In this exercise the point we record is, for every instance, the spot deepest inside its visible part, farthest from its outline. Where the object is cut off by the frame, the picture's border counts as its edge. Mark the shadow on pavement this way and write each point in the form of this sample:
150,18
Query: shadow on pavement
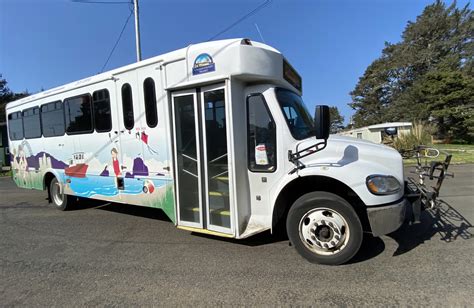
259,239
443,220
134,210
371,247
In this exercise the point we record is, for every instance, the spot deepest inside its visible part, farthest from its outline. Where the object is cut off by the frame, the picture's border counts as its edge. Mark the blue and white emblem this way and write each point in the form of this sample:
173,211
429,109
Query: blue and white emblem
203,64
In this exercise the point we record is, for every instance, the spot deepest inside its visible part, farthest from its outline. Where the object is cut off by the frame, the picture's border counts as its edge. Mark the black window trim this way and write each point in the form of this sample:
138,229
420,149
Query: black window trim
146,105
93,112
92,116
63,113
283,111
247,133
23,122
133,111
22,128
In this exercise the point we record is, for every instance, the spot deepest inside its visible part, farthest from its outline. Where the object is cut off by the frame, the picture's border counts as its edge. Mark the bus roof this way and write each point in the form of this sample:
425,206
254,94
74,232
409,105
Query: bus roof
229,66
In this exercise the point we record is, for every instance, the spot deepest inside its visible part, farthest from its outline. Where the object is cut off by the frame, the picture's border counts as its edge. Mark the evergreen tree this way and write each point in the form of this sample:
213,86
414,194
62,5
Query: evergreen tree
438,47
6,95
337,120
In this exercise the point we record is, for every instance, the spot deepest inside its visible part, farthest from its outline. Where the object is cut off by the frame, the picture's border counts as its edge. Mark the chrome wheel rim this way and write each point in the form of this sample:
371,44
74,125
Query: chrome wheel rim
324,231
56,194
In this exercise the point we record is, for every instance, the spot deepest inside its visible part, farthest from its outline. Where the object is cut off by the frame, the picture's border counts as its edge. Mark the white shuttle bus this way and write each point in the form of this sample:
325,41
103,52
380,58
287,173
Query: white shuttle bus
217,136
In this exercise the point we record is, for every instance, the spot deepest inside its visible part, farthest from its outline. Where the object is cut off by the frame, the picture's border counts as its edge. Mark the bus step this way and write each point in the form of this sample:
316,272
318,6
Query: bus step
220,217
218,194
220,212
198,230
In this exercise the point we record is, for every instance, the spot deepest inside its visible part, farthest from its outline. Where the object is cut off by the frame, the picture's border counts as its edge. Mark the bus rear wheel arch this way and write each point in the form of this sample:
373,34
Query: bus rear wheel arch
56,195
324,228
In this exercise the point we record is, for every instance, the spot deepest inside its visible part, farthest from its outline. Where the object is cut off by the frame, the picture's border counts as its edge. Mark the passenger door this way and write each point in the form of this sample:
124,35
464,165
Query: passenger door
201,153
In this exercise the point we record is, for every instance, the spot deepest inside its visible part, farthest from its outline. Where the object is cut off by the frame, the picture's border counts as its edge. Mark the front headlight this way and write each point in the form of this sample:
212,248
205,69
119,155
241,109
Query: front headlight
382,184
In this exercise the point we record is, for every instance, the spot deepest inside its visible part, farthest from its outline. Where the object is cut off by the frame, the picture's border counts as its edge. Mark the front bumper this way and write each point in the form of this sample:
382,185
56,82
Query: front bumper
388,218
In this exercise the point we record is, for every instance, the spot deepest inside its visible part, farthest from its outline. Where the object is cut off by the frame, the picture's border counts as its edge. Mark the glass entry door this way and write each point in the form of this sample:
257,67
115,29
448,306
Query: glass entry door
187,158
201,156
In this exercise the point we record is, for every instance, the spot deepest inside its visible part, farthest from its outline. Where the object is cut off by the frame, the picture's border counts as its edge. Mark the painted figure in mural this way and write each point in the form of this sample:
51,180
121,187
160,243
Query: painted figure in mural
22,164
115,162
13,160
14,164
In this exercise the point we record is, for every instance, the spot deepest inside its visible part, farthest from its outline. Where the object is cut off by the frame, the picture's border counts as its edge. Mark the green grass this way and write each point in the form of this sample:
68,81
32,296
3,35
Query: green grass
462,153
6,173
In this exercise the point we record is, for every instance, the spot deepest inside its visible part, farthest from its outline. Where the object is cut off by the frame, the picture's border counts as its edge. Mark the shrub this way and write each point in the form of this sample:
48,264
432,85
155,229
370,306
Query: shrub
419,135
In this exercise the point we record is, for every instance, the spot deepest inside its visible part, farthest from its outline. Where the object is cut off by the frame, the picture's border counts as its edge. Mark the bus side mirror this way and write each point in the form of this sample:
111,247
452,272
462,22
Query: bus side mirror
322,122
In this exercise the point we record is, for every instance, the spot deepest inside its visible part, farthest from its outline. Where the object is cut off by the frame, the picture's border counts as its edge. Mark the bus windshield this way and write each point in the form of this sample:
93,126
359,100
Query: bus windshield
297,116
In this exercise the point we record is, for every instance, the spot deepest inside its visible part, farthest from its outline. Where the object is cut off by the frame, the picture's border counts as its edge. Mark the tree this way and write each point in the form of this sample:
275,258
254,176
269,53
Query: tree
337,120
449,100
439,43
6,95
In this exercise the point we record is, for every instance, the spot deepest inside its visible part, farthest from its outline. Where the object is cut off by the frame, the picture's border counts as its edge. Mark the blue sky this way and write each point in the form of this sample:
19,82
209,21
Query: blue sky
46,43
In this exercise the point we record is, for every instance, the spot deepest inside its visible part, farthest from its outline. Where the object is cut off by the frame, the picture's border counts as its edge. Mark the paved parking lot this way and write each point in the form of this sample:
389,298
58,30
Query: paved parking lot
125,255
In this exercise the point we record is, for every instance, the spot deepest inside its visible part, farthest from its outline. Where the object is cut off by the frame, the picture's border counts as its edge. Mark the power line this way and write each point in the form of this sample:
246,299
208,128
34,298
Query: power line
118,40
132,10
259,33
252,12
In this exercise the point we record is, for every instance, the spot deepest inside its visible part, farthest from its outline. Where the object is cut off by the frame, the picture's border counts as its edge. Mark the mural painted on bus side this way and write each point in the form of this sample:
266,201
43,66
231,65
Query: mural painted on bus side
146,175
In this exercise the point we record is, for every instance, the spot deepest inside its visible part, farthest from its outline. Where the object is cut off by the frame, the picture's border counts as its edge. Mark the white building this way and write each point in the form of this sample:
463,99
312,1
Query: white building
376,132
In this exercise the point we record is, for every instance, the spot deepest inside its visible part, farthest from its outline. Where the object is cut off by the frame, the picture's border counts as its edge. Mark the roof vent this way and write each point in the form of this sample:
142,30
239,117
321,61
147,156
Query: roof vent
246,41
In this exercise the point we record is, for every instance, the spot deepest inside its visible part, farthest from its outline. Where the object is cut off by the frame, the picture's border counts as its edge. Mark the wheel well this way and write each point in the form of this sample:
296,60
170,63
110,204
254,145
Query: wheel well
303,185
48,177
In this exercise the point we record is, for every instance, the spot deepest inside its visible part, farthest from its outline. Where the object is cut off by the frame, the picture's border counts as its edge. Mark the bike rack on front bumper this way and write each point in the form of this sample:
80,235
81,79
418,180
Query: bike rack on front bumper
417,192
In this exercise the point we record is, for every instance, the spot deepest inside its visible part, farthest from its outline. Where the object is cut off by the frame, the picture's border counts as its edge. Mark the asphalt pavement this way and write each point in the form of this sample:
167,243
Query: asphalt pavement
117,255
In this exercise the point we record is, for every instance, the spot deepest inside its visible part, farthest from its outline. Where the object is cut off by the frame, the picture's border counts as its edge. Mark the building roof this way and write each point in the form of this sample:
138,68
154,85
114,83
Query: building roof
389,124
376,126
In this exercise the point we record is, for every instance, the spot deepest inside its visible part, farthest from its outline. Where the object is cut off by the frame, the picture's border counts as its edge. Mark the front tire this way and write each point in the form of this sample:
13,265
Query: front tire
324,228
60,200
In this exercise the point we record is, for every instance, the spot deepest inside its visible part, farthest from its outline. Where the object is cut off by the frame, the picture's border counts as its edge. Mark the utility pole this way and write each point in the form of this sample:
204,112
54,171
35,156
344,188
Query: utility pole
137,31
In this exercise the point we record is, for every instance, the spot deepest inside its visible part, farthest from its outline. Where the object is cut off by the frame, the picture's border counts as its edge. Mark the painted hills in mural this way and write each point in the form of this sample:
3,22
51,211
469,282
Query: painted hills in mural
43,160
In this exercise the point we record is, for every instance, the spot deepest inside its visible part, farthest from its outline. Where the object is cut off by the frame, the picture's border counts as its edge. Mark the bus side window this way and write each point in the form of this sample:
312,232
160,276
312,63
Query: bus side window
52,119
150,102
15,125
261,135
102,116
32,123
78,112
127,106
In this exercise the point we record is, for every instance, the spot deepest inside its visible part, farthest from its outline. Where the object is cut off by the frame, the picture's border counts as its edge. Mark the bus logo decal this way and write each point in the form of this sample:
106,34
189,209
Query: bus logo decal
203,64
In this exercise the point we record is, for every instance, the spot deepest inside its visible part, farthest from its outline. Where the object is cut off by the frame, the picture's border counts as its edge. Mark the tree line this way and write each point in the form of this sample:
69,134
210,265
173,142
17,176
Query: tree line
428,76
6,95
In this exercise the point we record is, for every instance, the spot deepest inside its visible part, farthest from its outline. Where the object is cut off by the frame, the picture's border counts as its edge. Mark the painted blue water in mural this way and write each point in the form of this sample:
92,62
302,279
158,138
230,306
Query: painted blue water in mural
104,185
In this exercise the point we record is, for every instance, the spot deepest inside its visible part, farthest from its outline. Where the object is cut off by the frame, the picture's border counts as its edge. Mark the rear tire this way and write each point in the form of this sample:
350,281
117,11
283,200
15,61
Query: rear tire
60,200
324,228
